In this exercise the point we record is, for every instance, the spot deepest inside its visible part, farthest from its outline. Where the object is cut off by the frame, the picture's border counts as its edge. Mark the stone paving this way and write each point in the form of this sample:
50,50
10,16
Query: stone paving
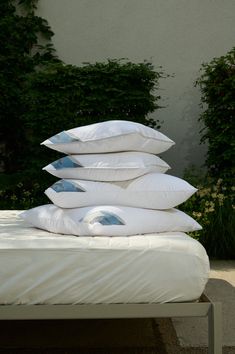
192,332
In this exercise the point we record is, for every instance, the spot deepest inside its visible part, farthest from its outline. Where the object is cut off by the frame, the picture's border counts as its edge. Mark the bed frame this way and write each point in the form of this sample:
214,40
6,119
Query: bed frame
204,307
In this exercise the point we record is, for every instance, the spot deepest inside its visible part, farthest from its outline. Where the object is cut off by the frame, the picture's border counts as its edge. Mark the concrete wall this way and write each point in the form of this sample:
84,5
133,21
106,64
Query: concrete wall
177,34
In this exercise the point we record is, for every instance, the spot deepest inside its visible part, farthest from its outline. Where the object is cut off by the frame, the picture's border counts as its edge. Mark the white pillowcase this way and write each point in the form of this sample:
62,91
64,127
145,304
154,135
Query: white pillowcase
108,220
109,136
153,191
120,166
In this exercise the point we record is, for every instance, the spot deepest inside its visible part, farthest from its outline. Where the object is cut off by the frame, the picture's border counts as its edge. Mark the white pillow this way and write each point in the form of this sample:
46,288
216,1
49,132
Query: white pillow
107,167
108,220
109,136
153,191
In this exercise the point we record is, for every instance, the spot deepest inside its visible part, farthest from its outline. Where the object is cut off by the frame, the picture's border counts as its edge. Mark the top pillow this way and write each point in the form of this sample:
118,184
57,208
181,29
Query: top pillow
109,136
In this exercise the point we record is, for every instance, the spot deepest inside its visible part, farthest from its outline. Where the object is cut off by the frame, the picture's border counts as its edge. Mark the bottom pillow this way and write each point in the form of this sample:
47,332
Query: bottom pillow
108,220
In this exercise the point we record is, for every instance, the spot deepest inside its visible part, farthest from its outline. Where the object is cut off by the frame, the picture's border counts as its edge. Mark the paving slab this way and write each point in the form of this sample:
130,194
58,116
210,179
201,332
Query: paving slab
192,332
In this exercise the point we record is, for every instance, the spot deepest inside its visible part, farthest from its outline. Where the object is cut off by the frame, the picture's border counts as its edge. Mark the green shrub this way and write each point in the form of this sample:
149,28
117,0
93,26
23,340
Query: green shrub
217,85
23,190
65,96
213,206
21,53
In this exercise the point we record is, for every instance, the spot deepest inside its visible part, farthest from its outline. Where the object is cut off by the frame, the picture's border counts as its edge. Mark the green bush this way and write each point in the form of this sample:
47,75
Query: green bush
65,96
213,207
217,85
24,189
21,53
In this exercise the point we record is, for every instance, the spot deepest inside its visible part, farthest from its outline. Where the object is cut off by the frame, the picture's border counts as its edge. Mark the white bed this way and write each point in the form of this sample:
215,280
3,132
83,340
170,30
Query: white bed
45,276
37,267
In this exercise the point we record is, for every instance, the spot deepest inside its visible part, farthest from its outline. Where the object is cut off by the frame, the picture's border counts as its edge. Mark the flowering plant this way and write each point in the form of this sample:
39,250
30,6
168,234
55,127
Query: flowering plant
213,207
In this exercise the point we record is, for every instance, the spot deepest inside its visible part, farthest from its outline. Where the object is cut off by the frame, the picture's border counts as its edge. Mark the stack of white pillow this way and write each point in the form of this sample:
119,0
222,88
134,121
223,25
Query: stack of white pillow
112,184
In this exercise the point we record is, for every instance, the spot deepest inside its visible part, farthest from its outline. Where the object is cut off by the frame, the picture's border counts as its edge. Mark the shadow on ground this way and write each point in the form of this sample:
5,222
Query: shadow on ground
81,337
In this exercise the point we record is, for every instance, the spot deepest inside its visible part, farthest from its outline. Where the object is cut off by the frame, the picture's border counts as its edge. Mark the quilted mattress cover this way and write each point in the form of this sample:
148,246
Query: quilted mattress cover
38,267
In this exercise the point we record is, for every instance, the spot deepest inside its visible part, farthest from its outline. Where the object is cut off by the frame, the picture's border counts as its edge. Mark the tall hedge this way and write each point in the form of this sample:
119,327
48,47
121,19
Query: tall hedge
217,85
21,53
64,96
213,206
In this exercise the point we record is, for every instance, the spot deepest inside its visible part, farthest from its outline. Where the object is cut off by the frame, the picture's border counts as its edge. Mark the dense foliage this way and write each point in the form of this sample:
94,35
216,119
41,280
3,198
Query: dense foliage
21,53
213,206
42,96
65,96
217,85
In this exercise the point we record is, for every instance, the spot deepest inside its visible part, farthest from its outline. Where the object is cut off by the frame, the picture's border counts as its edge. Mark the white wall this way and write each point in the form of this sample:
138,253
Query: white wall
177,34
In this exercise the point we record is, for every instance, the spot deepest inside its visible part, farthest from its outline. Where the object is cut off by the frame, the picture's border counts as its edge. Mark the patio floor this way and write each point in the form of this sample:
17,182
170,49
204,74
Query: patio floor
192,332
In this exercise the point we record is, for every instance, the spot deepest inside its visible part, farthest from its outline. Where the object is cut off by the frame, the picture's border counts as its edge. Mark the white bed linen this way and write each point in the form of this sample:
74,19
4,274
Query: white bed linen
40,267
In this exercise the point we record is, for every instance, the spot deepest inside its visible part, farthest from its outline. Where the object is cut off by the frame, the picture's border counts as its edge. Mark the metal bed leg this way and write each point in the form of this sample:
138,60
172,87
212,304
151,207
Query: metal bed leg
215,329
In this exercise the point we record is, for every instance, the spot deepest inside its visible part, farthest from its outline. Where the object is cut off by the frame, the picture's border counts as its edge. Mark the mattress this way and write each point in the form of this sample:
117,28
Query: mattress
38,267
